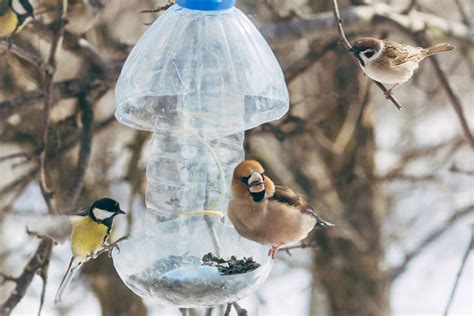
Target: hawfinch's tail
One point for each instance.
(322, 223)
(439, 48)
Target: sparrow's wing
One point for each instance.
(400, 53)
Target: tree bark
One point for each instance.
(350, 271)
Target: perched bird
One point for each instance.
(88, 231)
(14, 14)
(267, 213)
(390, 62)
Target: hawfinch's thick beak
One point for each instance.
(255, 183)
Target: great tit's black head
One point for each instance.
(22, 8)
(105, 208)
(365, 49)
(249, 177)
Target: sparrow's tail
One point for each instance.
(74, 264)
(322, 223)
(439, 48)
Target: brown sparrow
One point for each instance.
(267, 213)
(390, 62)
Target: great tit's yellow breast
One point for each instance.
(8, 23)
(87, 237)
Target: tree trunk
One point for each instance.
(349, 259)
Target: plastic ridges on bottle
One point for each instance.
(206, 5)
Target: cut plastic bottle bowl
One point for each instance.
(167, 267)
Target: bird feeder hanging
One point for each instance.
(199, 77)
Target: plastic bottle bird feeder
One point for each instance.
(197, 79)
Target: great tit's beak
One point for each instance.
(120, 212)
(352, 50)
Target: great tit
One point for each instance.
(89, 231)
(14, 15)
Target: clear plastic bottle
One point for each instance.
(199, 77)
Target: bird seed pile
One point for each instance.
(230, 266)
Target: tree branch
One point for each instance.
(421, 40)
(347, 45)
(60, 90)
(87, 119)
(430, 238)
(39, 260)
(358, 19)
(458, 275)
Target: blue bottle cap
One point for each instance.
(206, 5)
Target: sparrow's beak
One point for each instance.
(255, 183)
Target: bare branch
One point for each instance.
(305, 63)
(301, 245)
(60, 90)
(348, 46)
(358, 19)
(24, 155)
(48, 101)
(227, 310)
(469, 248)
(462, 11)
(87, 119)
(421, 40)
(39, 260)
(430, 238)
(23, 54)
(239, 310)
(159, 8)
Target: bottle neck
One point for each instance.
(206, 5)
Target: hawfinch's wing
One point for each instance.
(400, 53)
(286, 195)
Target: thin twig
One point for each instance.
(430, 238)
(458, 275)
(159, 8)
(240, 311)
(24, 155)
(306, 62)
(43, 273)
(455, 101)
(421, 40)
(209, 311)
(36, 262)
(347, 45)
(301, 245)
(464, 15)
(227, 310)
(410, 7)
(25, 55)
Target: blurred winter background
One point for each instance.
(398, 184)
